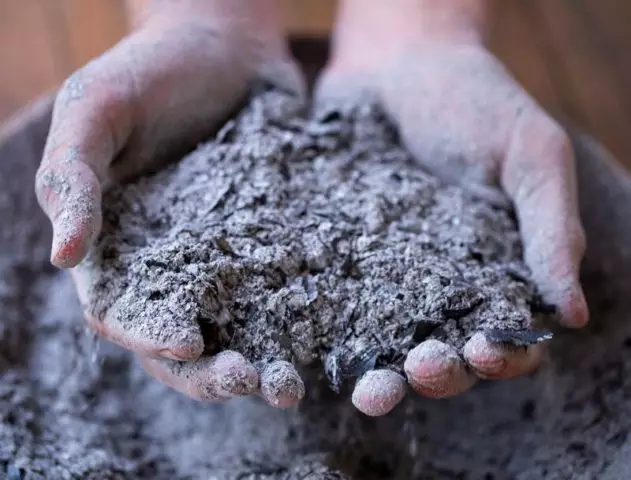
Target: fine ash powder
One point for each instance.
(308, 238)
(75, 408)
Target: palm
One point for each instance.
(147, 100)
(465, 119)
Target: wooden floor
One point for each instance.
(42, 41)
(574, 56)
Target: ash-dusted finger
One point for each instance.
(70, 195)
(281, 385)
(540, 177)
(149, 328)
(90, 121)
(435, 370)
(494, 361)
(221, 377)
(186, 346)
(153, 328)
(378, 392)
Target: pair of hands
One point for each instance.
(173, 81)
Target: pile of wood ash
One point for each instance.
(309, 237)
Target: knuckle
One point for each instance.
(42, 183)
(577, 238)
(74, 87)
(555, 144)
(49, 180)
(101, 85)
(560, 143)
(546, 162)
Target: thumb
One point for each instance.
(539, 175)
(342, 86)
(80, 146)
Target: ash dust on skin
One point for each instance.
(308, 238)
(75, 407)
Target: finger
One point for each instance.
(435, 370)
(70, 196)
(281, 385)
(149, 328)
(90, 121)
(494, 361)
(540, 177)
(378, 392)
(182, 347)
(222, 377)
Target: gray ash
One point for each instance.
(309, 238)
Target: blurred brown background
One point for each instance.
(574, 56)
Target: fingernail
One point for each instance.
(236, 377)
(378, 392)
(431, 361)
(68, 249)
(74, 229)
(484, 355)
(281, 385)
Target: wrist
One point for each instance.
(256, 20)
(458, 21)
(250, 32)
(375, 31)
(141, 12)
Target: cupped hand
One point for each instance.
(148, 100)
(466, 120)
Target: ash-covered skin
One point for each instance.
(308, 239)
(71, 408)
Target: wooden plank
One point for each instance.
(612, 18)
(308, 18)
(57, 37)
(588, 73)
(513, 38)
(91, 27)
(26, 56)
(572, 55)
(608, 24)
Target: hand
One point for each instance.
(466, 120)
(146, 101)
